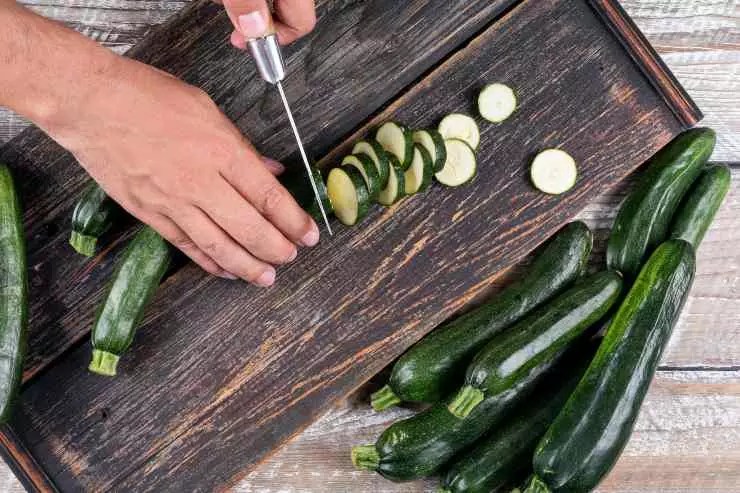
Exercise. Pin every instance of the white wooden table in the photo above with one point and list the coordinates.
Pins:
(688, 436)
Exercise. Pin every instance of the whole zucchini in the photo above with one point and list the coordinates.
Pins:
(420, 445)
(428, 371)
(536, 340)
(586, 439)
(93, 215)
(645, 216)
(14, 289)
(701, 204)
(134, 282)
(504, 456)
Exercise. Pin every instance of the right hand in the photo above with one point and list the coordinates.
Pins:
(164, 151)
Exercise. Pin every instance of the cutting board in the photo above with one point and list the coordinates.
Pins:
(221, 373)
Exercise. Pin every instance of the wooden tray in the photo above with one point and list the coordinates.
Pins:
(221, 373)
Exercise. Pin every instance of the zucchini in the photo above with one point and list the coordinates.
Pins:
(296, 182)
(504, 456)
(136, 279)
(537, 339)
(587, 437)
(461, 127)
(460, 166)
(396, 187)
(397, 141)
(433, 142)
(14, 298)
(92, 217)
(348, 194)
(701, 204)
(422, 444)
(554, 171)
(496, 102)
(367, 169)
(372, 149)
(430, 369)
(645, 216)
(419, 175)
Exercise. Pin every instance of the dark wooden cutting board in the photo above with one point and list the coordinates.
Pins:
(222, 373)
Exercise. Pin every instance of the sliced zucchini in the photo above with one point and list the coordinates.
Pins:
(375, 151)
(396, 140)
(433, 142)
(460, 166)
(554, 171)
(396, 187)
(367, 169)
(313, 209)
(348, 194)
(496, 102)
(461, 127)
(419, 175)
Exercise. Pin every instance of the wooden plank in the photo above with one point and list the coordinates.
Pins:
(65, 288)
(173, 414)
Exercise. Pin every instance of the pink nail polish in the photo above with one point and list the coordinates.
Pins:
(253, 24)
(266, 279)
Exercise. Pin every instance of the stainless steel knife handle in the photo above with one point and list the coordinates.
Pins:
(269, 57)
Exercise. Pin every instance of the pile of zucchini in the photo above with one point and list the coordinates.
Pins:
(522, 391)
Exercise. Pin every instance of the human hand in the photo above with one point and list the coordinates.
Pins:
(291, 19)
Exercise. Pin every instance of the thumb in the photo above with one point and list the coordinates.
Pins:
(251, 18)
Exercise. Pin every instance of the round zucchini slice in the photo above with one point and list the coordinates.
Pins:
(348, 194)
(433, 142)
(375, 151)
(396, 187)
(419, 175)
(554, 171)
(461, 127)
(367, 169)
(496, 102)
(460, 166)
(396, 140)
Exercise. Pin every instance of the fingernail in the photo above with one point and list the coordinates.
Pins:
(275, 167)
(253, 24)
(312, 237)
(266, 279)
(293, 255)
(229, 275)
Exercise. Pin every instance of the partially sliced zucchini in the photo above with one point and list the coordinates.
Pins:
(434, 143)
(496, 102)
(461, 127)
(419, 175)
(460, 166)
(348, 194)
(397, 141)
(396, 187)
(375, 151)
(367, 169)
(554, 171)
(313, 209)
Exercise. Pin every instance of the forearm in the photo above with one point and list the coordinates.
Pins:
(46, 69)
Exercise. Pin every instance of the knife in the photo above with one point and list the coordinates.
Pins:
(269, 60)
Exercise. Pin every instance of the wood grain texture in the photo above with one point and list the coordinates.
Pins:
(174, 420)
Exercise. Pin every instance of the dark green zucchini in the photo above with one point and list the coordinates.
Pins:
(587, 437)
(429, 370)
(136, 279)
(504, 456)
(701, 204)
(537, 339)
(92, 217)
(13, 294)
(644, 218)
(296, 182)
(421, 445)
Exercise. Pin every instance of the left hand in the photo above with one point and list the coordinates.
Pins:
(291, 19)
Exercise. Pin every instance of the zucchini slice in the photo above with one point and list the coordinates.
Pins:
(313, 209)
(496, 102)
(348, 194)
(396, 187)
(433, 142)
(396, 140)
(460, 166)
(367, 169)
(375, 151)
(461, 127)
(419, 175)
(554, 171)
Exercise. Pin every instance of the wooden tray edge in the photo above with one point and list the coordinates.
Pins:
(645, 56)
(25, 468)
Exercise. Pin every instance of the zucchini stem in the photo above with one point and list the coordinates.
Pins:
(365, 457)
(103, 363)
(384, 398)
(536, 485)
(466, 400)
(83, 244)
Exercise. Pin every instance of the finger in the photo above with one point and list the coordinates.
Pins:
(219, 246)
(294, 19)
(177, 237)
(274, 167)
(251, 18)
(237, 40)
(240, 220)
(273, 201)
